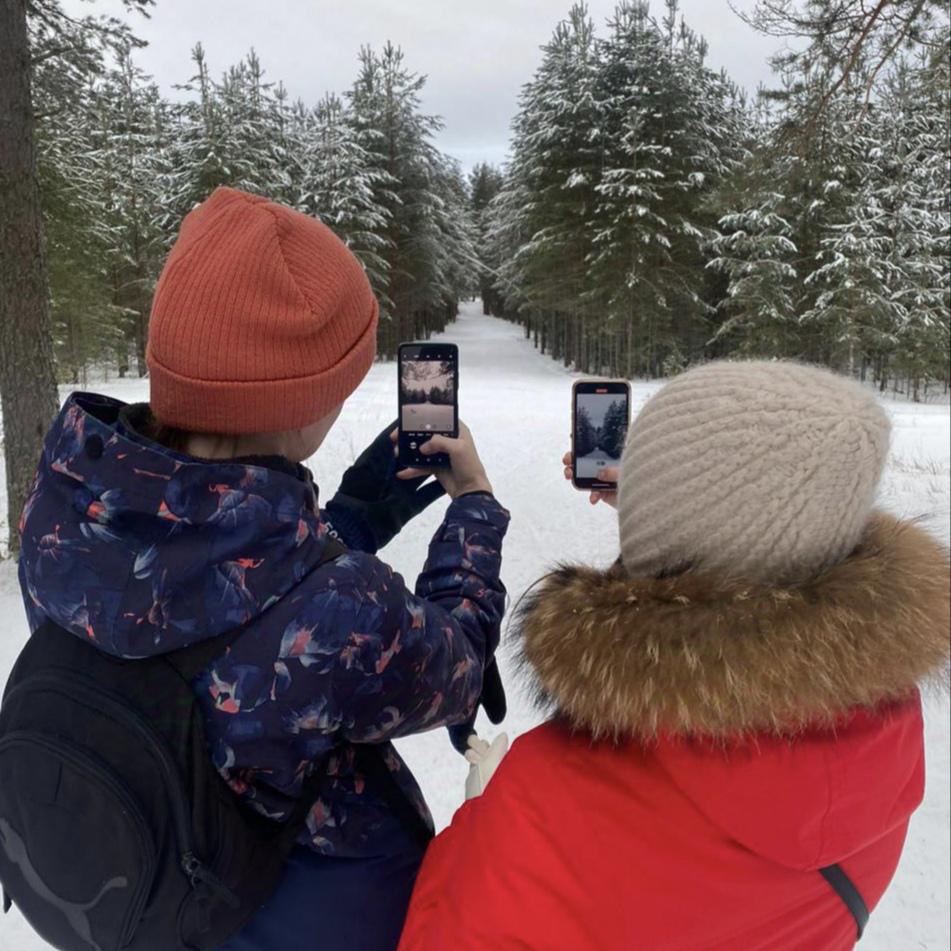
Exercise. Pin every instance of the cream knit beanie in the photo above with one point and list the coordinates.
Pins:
(765, 470)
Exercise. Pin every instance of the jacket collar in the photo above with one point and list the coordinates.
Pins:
(135, 420)
(706, 655)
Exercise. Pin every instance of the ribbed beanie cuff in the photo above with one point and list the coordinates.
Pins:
(257, 406)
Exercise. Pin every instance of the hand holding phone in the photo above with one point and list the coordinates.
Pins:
(465, 474)
(600, 415)
(372, 506)
(610, 474)
(428, 400)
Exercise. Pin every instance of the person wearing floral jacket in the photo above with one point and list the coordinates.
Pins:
(154, 526)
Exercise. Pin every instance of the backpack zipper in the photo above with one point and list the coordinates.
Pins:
(199, 874)
(68, 684)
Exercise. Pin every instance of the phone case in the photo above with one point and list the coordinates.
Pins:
(588, 483)
(409, 442)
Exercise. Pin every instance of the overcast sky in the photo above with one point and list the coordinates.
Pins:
(476, 55)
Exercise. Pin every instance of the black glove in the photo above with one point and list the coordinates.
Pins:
(492, 700)
(372, 505)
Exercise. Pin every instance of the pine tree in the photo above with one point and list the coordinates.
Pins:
(913, 192)
(207, 138)
(417, 195)
(676, 121)
(603, 221)
(836, 246)
(755, 253)
(71, 180)
(73, 209)
(44, 55)
(456, 270)
(851, 277)
(550, 190)
(485, 182)
(336, 182)
(131, 120)
(28, 394)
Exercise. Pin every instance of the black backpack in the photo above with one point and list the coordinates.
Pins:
(116, 830)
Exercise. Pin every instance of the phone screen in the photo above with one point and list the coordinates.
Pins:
(428, 399)
(601, 413)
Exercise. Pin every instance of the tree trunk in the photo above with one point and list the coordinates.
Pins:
(28, 395)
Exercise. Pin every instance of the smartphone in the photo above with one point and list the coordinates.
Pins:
(428, 399)
(600, 416)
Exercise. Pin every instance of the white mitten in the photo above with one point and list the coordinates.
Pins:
(484, 759)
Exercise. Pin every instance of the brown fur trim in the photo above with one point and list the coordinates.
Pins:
(704, 654)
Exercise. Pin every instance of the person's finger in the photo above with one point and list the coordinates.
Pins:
(566, 459)
(608, 474)
(567, 472)
(429, 493)
(595, 497)
(395, 434)
(438, 444)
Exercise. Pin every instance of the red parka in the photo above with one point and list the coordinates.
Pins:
(716, 745)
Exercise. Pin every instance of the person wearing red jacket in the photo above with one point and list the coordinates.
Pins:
(736, 746)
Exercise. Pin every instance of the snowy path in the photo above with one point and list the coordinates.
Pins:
(518, 406)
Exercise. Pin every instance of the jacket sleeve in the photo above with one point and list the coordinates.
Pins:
(412, 662)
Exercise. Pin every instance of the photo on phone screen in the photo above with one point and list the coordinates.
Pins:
(600, 418)
(428, 399)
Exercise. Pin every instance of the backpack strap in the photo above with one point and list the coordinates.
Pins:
(845, 888)
(190, 661)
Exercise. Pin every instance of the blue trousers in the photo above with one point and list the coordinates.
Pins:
(334, 904)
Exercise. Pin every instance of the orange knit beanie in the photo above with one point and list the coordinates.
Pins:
(262, 321)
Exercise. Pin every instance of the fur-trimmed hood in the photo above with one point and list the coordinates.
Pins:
(701, 654)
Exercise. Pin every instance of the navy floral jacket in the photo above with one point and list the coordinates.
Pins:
(142, 551)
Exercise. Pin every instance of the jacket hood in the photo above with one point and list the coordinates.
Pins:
(213, 543)
(702, 654)
(789, 715)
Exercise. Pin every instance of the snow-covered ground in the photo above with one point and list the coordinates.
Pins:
(518, 405)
